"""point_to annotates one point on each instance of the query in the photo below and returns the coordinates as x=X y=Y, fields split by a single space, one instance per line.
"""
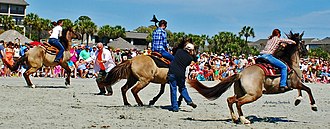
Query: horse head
x=67 y=35
x=300 y=43
x=287 y=52
x=183 y=43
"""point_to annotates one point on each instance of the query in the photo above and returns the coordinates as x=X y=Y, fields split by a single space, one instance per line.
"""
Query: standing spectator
x=2 y=57
x=176 y=75
x=73 y=60
x=117 y=56
x=85 y=54
x=9 y=57
x=102 y=65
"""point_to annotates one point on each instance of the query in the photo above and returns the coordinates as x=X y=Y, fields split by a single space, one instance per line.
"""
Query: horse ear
x=190 y=40
x=302 y=34
x=287 y=35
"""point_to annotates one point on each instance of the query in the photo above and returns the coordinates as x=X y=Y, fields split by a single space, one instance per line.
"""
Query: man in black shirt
x=176 y=75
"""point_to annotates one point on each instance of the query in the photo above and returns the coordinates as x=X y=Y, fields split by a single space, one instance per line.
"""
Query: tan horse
x=36 y=57
x=251 y=83
x=140 y=70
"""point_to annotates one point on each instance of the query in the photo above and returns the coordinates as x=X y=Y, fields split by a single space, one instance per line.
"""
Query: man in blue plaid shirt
x=159 y=41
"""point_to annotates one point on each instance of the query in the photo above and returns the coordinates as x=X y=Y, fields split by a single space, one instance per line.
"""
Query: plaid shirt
x=159 y=41
x=274 y=43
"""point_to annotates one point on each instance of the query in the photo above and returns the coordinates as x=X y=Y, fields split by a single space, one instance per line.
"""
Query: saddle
x=270 y=70
x=50 y=49
x=160 y=60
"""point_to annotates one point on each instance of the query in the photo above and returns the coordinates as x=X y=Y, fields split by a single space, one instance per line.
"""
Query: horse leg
x=26 y=75
x=299 y=98
x=135 y=90
x=247 y=98
x=68 y=72
x=231 y=100
x=311 y=98
x=161 y=92
x=130 y=82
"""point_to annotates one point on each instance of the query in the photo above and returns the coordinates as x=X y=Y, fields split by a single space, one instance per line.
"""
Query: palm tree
x=42 y=27
x=81 y=25
x=91 y=29
x=30 y=21
x=105 y=33
x=7 y=22
x=247 y=31
x=117 y=32
x=67 y=23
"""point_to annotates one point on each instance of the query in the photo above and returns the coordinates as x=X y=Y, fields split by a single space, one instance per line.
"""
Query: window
x=16 y=9
x=3 y=8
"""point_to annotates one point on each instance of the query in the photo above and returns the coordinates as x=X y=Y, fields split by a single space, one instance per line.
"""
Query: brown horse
x=251 y=83
x=140 y=70
x=38 y=56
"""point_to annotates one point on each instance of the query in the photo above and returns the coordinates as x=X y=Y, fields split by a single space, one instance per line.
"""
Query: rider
x=55 y=33
x=176 y=75
x=272 y=45
x=159 y=41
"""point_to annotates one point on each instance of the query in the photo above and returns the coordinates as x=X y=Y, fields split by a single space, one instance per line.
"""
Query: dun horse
x=38 y=56
x=251 y=83
x=140 y=70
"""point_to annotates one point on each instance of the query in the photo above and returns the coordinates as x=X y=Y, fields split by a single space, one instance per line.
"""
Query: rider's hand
x=283 y=44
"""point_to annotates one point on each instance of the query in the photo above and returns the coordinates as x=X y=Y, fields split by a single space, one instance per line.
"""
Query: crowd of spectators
x=209 y=66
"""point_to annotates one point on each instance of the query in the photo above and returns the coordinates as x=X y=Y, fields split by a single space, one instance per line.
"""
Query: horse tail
x=120 y=71
x=212 y=93
x=16 y=65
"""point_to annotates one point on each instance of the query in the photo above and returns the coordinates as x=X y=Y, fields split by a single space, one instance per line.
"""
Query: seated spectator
x=82 y=69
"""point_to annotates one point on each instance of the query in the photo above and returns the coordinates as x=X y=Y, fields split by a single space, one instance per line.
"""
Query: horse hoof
x=151 y=103
x=127 y=104
x=33 y=86
x=67 y=84
x=298 y=100
x=244 y=120
x=314 y=107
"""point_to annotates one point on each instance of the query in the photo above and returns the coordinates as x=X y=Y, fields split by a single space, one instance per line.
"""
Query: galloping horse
x=141 y=70
x=38 y=56
x=251 y=83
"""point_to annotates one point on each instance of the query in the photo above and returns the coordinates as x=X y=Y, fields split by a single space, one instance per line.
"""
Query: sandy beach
x=53 y=105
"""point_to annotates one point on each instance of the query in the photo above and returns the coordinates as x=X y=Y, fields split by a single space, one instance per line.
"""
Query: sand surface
x=53 y=105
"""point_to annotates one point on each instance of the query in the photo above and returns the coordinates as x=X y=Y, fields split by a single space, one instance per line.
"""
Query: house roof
x=136 y=35
x=12 y=35
x=120 y=43
x=15 y=2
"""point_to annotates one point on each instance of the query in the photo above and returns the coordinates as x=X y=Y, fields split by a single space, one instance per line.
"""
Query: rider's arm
x=288 y=41
x=165 y=44
x=50 y=32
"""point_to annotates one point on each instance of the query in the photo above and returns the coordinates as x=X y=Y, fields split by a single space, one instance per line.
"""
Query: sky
x=197 y=16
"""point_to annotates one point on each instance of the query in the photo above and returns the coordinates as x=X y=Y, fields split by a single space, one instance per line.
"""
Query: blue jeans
x=56 y=43
x=279 y=64
x=180 y=82
x=166 y=55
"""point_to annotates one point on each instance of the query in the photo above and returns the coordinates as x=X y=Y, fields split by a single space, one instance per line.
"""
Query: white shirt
x=56 y=32
x=109 y=64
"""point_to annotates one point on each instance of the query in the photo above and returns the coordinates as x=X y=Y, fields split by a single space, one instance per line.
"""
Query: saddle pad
x=270 y=70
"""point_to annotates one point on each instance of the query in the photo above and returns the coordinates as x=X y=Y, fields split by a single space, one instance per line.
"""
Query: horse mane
x=63 y=40
x=181 y=45
x=285 y=53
